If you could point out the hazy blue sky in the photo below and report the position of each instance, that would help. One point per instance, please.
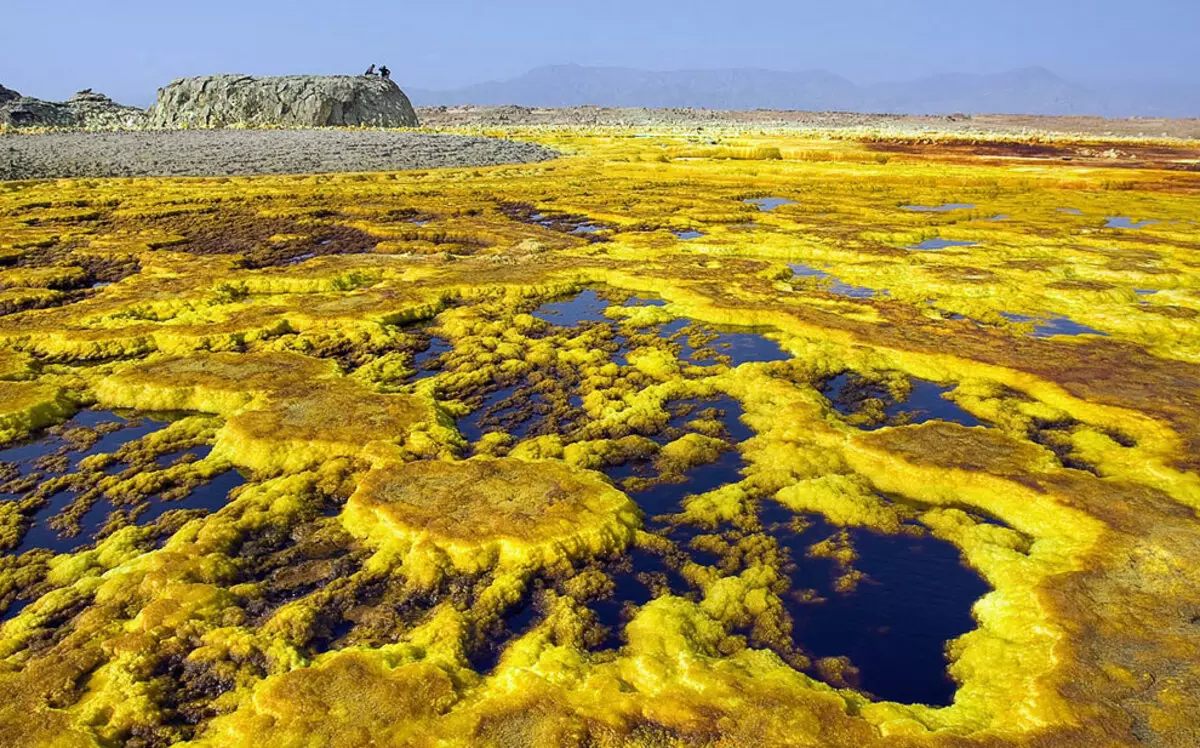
(127, 48)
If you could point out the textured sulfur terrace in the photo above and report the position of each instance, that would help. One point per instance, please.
(548, 454)
(484, 512)
(222, 383)
(28, 406)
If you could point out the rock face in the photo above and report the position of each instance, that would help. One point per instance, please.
(294, 100)
(84, 110)
(30, 112)
(97, 111)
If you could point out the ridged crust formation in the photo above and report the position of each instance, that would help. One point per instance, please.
(577, 452)
(485, 512)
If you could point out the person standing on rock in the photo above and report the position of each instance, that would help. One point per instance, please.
(385, 73)
(370, 70)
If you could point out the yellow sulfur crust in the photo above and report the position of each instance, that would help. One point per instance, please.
(364, 586)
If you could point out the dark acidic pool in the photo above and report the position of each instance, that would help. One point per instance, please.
(667, 498)
(55, 454)
(740, 347)
(1047, 327)
(834, 285)
(767, 204)
(895, 624)
(1124, 222)
(935, 244)
(636, 578)
(518, 410)
(426, 362)
(210, 497)
(113, 430)
(517, 620)
(567, 224)
(848, 393)
(508, 409)
(586, 306)
(642, 301)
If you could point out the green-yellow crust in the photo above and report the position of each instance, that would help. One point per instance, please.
(484, 512)
(28, 406)
(380, 580)
(285, 412)
(315, 424)
(223, 383)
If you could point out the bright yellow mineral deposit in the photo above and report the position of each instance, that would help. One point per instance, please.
(387, 576)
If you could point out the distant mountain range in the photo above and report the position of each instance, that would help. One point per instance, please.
(1025, 91)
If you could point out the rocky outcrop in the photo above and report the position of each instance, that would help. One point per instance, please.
(97, 111)
(223, 101)
(289, 101)
(30, 112)
(85, 110)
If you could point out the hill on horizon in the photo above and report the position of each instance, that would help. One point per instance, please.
(1033, 90)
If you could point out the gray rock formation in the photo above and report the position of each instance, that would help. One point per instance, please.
(29, 112)
(290, 101)
(97, 111)
(85, 110)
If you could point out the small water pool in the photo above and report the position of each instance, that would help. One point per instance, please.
(59, 452)
(936, 244)
(1049, 326)
(767, 204)
(426, 361)
(849, 394)
(834, 285)
(895, 624)
(1124, 222)
(642, 301)
(563, 223)
(210, 497)
(105, 431)
(586, 306)
(739, 346)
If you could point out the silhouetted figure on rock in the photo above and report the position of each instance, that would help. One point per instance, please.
(370, 71)
(385, 73)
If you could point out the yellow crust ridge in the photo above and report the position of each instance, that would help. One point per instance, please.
(411, 559)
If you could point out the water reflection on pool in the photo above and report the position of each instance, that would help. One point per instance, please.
(1051, 325)
(834, 285)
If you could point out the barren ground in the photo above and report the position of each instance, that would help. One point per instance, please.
(997, 123)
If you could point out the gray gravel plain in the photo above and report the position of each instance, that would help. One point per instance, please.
(1012, 124)
(211, 153)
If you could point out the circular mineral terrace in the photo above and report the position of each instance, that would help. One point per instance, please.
(320, 423)
(483, 510)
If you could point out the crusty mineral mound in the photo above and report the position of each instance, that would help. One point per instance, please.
(87, 110)
(484, 512)
(97, 111)
(293, 100)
